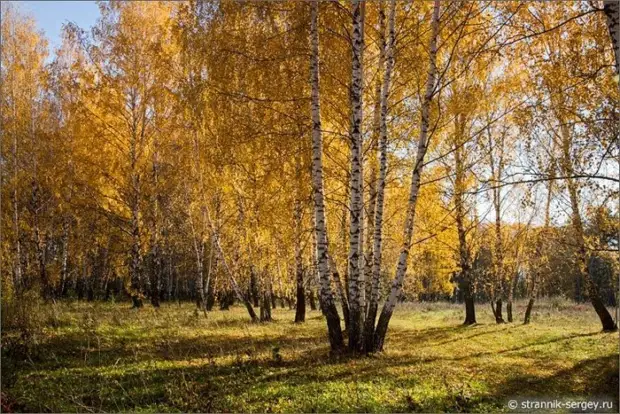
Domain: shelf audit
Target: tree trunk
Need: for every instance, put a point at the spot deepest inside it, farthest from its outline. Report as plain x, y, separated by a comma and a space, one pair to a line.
135, 267
375, 277
265, 306
496, 167
607, 321
468, 299
207, 283
231, 277
155, 242
17, 265
499, 318
200, 299
312, 300
327, 298
509, 309
511, 293
542, 261
300, 307
528, 311
64, 268
372, 179
253, 291
341, 292
356, 316
401, 269
459, 209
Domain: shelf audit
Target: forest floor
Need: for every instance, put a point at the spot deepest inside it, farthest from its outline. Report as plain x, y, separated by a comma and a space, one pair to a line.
105, 357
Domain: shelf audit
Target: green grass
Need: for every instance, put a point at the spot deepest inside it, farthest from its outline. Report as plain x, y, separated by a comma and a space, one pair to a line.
106, 357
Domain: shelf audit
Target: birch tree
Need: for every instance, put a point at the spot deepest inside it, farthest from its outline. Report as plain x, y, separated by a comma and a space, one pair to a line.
356, 283
328, 305
377, 222
401, 269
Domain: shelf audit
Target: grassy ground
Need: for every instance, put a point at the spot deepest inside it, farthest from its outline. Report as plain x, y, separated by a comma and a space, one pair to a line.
106, 357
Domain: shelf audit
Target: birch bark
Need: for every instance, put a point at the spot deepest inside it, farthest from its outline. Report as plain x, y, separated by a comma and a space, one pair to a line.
356, 316
326, 295
373, 304
401, 269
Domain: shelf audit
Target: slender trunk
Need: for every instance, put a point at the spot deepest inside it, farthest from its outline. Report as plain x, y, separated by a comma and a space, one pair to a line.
401, 269
300, 307
40, 244
374, 151
591, 287
607, 321
327, 298
537, 277
266, 301
459, 209
135, 268
509, 309
17, 266
272, 294
231, 277
64, 266
206, 285
156, 276
375, 277
511, 293
356, 315
528, 311
156, 248
170, 275
496, 176
254, 293
200, 300
212, 286
341, 293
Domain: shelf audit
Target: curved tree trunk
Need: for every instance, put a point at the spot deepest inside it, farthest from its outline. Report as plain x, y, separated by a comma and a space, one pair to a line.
607, 321
326, 295
373, 303
401, 268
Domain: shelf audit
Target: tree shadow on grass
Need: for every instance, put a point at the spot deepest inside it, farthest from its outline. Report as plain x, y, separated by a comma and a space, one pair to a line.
414, 338
189, 374
444, 335
596, 377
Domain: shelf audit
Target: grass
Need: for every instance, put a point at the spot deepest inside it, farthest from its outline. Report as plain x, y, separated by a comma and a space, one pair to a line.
106, 357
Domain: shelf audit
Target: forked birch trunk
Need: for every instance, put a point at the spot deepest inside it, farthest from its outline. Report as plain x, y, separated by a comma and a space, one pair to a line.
373, 301
401, 269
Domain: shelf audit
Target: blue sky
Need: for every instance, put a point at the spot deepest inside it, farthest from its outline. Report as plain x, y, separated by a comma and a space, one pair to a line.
50, 16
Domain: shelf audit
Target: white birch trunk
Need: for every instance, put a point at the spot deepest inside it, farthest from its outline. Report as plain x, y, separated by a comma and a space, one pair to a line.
378, 220
401, 269
326, 294
17, 270
356, 314
374, 154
